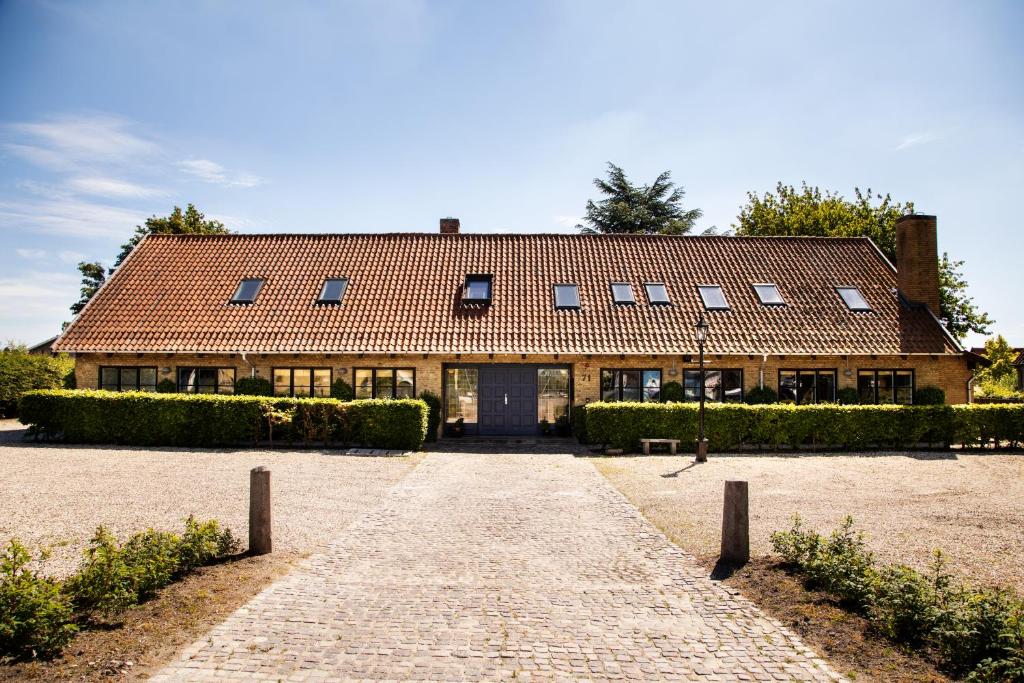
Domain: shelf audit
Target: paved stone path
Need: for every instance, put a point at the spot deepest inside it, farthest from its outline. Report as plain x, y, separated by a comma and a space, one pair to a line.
499, 567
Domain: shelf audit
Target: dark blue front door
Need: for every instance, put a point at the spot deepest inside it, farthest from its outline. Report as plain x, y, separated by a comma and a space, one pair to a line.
508, 399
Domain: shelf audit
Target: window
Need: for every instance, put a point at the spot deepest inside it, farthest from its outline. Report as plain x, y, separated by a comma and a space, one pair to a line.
631, 385
657, 295
247, 291
769, 295
477, 289
886, 386
720, 386
714, 297
302, 382
567, 297
853, 299
622, 293
385, 382
552, 393
127, 378
333, 290
460, 392
807, 386
206, 380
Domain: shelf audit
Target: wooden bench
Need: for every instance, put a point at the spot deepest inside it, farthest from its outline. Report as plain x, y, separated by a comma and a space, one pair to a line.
672, 444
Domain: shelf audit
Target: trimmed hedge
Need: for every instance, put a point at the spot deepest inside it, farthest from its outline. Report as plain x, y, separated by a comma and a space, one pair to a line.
149, 419
735, 426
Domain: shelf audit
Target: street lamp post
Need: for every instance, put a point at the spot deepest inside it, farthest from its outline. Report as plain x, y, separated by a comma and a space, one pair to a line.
702, 443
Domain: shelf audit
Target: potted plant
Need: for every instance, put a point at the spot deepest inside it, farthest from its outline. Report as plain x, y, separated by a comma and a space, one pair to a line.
562, 426
545, 427
458, 427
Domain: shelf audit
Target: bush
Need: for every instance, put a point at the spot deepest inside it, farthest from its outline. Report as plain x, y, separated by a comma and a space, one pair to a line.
736, 426
253, 386
579, 423
203, 543
847, 396
151, 419
166, 386
761, 395
433, 402
35, 617
672, 392
21, 371
342, 390
929, 396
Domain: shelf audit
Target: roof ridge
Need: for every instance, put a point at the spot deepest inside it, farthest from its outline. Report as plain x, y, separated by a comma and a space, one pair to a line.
236, 235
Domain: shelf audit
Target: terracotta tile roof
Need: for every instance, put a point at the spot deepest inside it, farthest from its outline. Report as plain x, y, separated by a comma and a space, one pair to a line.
405, 289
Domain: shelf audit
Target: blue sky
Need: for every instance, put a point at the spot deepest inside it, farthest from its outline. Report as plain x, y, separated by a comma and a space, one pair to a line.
384, 116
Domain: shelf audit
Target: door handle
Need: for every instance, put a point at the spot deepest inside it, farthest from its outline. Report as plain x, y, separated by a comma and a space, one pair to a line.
506, 399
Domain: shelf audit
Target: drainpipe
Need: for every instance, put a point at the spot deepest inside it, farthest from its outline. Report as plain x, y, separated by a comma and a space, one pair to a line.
760, 372
252, 368
970, 389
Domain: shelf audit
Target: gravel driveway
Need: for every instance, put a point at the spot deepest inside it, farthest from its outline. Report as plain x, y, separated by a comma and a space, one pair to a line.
53, 495
970, 506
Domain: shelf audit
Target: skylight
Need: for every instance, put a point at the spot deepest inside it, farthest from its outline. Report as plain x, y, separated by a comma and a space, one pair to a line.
567, 296
333, 290
477, 289
854, 300
714, 297
769, 295
657, 295
622, 293
247, 291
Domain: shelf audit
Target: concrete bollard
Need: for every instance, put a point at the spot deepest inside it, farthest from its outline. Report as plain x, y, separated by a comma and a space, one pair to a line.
735, 523
259, 511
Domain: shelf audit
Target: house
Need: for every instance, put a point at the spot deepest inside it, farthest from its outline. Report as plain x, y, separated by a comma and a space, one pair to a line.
513, 329
43, 348
1019, 364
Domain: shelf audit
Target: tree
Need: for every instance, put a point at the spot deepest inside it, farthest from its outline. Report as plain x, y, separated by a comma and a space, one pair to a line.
1000, 378
654, 209
21, 371
809, 211
191, 221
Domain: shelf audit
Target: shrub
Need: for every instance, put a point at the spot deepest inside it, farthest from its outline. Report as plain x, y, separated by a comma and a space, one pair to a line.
166, 386
672, 392
396, 424
253, 386
21, 371
579, 423
35, 616
929, 396
847, 396
342, 390
203, 543
104, 582
761, 395
906, 603
433, 402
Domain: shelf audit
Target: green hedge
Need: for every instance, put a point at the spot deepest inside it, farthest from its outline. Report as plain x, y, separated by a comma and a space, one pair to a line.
736, 426
150, 419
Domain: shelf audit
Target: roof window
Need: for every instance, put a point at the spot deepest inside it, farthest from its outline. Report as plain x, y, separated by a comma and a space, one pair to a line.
622, 293
657, 295
567, 297
713, 297
247, 291
333, 290
477, 289
853, 299
769, 295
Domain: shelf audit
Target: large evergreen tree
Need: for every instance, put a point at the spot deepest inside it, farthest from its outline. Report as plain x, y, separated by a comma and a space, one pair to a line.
809, 211
654, 209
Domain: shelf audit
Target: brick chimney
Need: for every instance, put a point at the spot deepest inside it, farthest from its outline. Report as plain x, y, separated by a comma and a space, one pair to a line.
917, 260
449, 226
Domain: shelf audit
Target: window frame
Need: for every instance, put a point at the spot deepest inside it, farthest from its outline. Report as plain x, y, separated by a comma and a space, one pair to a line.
619, 385
615, 299
770, 304
743, 388
138, 376
892, 371
235, 301
291, 380
576, 288
321, 301
721, 289
867, 309
216, 384
478, 277
394, 384
651, 301
835, 384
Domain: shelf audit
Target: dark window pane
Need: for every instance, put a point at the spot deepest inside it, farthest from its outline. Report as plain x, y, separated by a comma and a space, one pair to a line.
805, 387
129, 379
609, 385
866, 386
885, 387
109, 379
769, 295
364, 384
247, 291
622, 293
207, 380
713, 297
652, 385
282, 382
384, 385
567, 296
787, 387
186, 380
691, 385
333, 290
460, 394
322, 382
477, 288
147, 379
826, 387
656, 293
226, 380
732, 386
712, 386
404, 383
904, 387
854, 300
630, 385
301, 380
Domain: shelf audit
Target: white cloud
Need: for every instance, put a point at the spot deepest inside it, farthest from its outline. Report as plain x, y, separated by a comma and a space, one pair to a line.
213, 173
71, 256
31, 254
38, 294
109, 187
69, 217
915, 139
85, 138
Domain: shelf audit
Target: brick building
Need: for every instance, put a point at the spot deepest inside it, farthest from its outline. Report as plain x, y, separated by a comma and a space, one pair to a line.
513, 329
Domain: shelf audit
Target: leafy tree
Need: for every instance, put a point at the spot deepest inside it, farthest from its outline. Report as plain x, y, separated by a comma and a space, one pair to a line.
1000, 378
93, 277
654, 209
21, 371
809, 211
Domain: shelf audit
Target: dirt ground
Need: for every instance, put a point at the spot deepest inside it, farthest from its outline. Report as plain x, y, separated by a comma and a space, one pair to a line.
970, 506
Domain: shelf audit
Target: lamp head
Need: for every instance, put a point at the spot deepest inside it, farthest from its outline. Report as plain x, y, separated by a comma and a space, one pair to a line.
702, 329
